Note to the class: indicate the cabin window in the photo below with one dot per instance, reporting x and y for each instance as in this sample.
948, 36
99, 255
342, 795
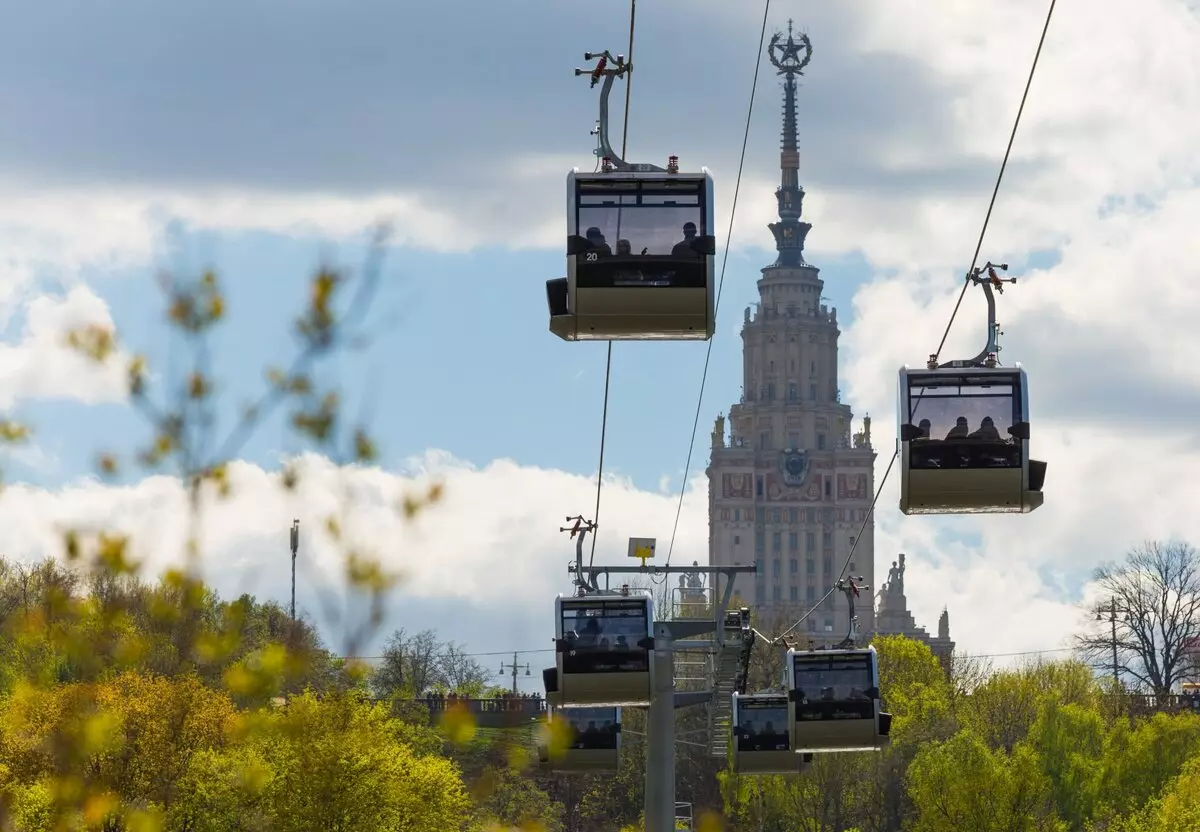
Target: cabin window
842, 679
962, 421
651, 216
603, 636
591, 728
762, 725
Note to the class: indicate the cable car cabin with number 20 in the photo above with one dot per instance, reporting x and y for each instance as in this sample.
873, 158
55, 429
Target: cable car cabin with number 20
762, 743
593, 744
964, 439
603, 644
833, 701
640, 258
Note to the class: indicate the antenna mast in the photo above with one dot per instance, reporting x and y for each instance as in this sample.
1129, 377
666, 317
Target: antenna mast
295, 549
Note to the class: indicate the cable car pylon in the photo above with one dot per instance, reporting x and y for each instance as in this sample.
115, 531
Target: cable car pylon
614, 651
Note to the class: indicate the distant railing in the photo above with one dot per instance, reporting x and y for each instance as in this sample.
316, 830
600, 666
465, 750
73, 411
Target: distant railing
506, 712
1145, 704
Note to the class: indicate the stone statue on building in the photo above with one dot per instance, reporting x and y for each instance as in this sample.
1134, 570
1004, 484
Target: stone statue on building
718, 434
895, 582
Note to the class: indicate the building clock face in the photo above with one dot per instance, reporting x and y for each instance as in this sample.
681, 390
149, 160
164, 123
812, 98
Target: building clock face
793, 465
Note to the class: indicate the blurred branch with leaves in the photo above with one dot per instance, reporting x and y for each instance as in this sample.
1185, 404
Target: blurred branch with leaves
70, 630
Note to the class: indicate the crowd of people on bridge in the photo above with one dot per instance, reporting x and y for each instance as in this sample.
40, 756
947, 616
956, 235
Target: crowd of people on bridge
506, 701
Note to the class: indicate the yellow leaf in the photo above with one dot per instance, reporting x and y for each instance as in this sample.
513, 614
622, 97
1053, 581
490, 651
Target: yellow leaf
100, 733
98, 807
198, 386
13, 432
458, 724
364, 448
141, 820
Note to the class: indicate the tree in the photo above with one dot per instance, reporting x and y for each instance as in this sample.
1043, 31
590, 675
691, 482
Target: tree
962, 784
414, 665
339, 764
1157, 615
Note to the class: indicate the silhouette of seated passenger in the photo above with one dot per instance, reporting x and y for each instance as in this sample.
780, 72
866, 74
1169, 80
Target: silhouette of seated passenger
686, 246
623, 248
595, 238
924, 426
987, 431
960, 430
590, 634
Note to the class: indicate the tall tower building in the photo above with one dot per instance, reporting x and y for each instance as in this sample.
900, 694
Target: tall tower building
790, 485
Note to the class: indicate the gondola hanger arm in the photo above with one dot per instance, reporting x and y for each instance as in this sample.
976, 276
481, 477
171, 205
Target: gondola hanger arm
610, 67
985, 277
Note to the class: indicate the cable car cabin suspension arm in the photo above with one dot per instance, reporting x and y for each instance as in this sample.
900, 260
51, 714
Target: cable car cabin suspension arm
610, 68
850, 589
988, 281
584, 583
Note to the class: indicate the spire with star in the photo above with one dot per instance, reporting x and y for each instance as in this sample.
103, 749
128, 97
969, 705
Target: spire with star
790, 57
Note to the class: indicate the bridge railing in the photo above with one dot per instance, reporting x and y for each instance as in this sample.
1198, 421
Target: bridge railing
510, 712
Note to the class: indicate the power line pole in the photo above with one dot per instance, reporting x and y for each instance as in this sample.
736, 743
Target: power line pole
1112, 609
514, 667
295, 549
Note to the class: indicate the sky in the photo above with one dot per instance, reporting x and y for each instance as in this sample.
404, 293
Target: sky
262, 139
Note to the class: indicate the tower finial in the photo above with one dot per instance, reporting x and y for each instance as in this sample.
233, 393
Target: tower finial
790, 57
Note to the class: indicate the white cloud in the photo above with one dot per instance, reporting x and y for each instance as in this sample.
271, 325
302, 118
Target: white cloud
41, 365
490, 552
489, 555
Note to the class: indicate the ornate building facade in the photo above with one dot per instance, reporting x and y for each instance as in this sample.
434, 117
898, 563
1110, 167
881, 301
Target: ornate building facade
790, 483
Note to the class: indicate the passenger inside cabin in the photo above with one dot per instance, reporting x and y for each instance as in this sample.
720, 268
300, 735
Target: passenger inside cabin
987, 430
595, 238
590, 634
623, 248
960, 430
924, 427
686, 247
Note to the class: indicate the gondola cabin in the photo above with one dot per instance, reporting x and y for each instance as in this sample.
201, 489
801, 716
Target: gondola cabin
833, 701
964, 442
584, 740
762, 743
640, 258
603, 644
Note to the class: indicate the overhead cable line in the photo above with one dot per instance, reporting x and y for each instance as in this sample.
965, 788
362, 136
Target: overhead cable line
762, 37
849, 558
975, 258
608, 359
551, 650
999, 178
